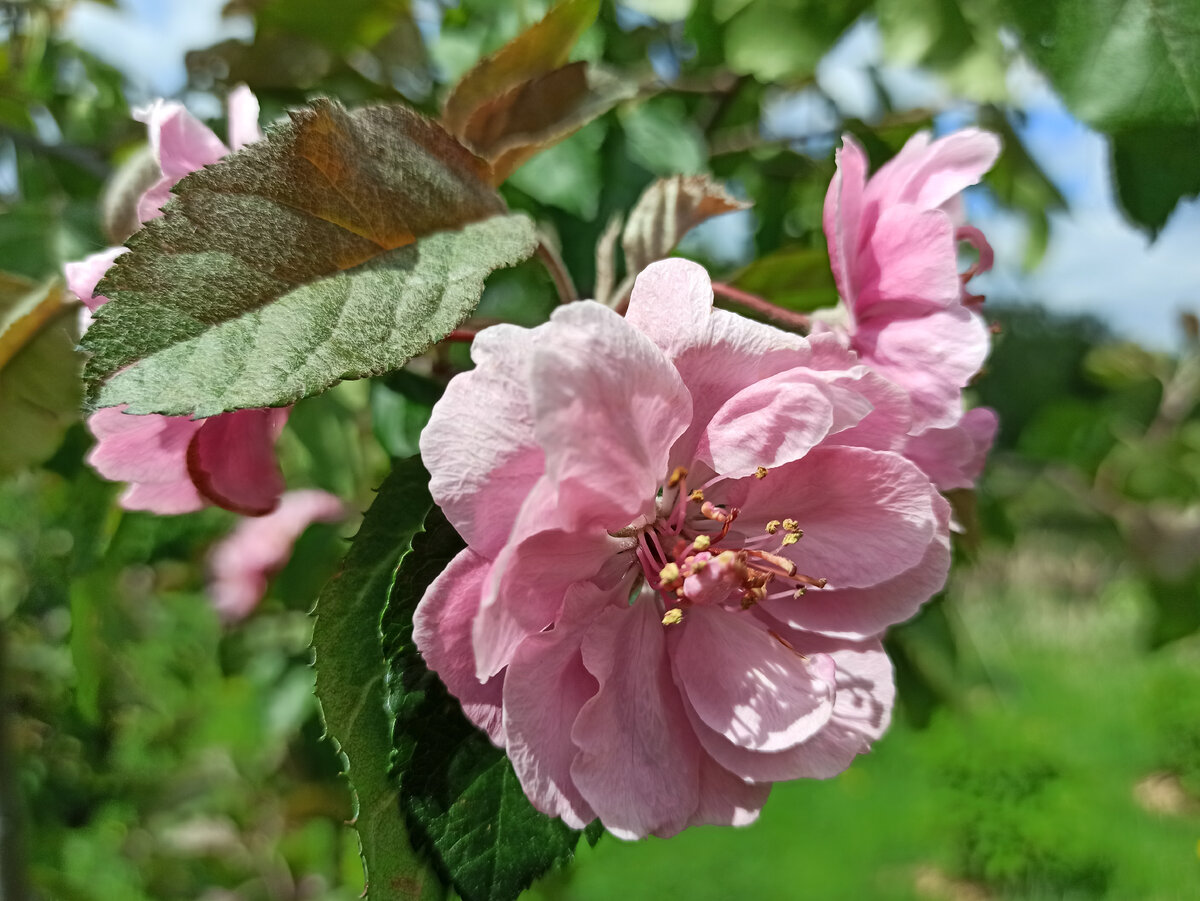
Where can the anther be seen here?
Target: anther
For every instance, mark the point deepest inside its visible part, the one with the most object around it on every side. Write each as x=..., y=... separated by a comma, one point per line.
x=790, y=525
x=701, y=543
x=773, y=526
x=669, y=575
x=673, y=616
x=791, y=538
x=696, y=497
x=760, y=473
x=679, y=474
x=799, y=593
x=809, y=580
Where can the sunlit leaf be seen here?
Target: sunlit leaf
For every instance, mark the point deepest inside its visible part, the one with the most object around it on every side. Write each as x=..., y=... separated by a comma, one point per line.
x=669, y=209
x=796, y=278
x=319, y=254
x=350, y=682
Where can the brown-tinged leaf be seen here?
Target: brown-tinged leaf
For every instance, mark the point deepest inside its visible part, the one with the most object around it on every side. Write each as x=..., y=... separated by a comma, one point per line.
x=511, y=127
x=535, y=52
x=24, y=309
x=669, y=209
x=339, y=247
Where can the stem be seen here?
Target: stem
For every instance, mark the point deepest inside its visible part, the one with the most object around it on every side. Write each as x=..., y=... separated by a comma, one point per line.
x=558, y=272
x=765, y=307
x=462, y=334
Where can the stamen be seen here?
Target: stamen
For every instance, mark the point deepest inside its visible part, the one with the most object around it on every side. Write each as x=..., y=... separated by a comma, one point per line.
x=669, y=575
x=696, y=497
x=773, y=526
x=760, y=472
x=791, y=538
x=786, y=567
x=708, y=511
x=701, y=543
x=677, y=476
x=672, y=616
x=790, y=525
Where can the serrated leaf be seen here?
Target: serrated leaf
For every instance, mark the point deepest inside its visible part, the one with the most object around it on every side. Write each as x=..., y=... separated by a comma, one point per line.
x=316, y=255
x=535, y=52
x=40, y=391
x=460, y=793
x=668, y=210
x=350, y=682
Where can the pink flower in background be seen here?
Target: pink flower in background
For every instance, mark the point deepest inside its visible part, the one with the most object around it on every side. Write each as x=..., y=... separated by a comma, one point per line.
x=685, y=530
x=244, y=562
x=893, y=244
x=174, y=464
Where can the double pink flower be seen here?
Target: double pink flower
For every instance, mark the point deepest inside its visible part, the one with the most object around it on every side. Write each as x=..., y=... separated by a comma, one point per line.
x=175, y=464
x=685, y=530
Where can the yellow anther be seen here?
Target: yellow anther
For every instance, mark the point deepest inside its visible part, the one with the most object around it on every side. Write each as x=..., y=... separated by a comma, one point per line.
x=702, y=542
x=760, y=473
x=677, y=476
x=791, y=538
x=672, y=616
x=696, y=497
x=773, y=526
x=697, y=565
x=800, y=592
x=668, y=574
x=726, y=558
x=790, y=525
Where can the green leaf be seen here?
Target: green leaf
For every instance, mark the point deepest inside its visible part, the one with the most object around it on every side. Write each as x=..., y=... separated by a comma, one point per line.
x=782, y=40
x=39, y=371
x=796, y=278
x=463, y=800
x=666, y=211
x=350, y=682
x=316, y=255
x=1130, y=68
x=401, y=405
x=664, y=138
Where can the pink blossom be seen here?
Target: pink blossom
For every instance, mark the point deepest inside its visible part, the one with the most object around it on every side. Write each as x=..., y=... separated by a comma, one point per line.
x=954, y=457
x=893, y=244
x=685, y=531
x=174, y=464
x=244, y=562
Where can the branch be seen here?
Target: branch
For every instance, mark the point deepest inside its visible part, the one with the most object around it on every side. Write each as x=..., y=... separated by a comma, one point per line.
x=765, y=307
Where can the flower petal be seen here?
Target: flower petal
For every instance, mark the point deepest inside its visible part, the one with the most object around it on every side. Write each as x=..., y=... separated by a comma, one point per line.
x=911, y=258
x=243, y=118
x=842, y=215
x=725, y=799
x=479, y=443
x=545, y=687
x=638, y=764
x=607, y=407
x=442, y=633
x=858, y=613
x=83, y=276
x=954, y=457
x=149, y=452
x=744, y=684
x=232, y=460
x=243, y=563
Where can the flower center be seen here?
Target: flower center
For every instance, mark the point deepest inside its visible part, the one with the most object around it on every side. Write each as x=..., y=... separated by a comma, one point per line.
x=689, y=555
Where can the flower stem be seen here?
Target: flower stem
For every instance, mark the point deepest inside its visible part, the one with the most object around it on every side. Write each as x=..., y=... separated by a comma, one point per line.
x=765, y=307
x=558, y=272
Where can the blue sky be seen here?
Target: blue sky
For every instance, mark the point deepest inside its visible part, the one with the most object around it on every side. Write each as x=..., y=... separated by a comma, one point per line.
x=1095, y=261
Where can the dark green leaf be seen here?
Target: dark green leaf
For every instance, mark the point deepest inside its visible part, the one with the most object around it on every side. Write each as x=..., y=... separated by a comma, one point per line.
x=1154, y=168
x=316, y=255
x=460, y=792
x=350, y=681
x=782, y=40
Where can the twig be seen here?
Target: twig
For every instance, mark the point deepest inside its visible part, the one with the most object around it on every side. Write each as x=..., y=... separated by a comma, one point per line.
x=558, y=272
x=765, y=307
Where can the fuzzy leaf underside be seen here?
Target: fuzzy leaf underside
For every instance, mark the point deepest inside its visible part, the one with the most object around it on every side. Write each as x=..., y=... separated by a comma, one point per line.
x=337, y=248
x=461, y=796
x=350, y=682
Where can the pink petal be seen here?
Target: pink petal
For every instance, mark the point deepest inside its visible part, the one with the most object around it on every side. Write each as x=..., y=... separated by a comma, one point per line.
x=954, y=457
x=83, y=276
x=858, y=613
x=180, y=142
x=862, y=706
x=726, y=800
x=538, y=721
x=638, y=764
x=867, y=515
x=244, y=562
x=479, y=444
x=442, y=633
x=243, y=118
x=531, y=576
x=232, y=460
x=842, y=216
x=928, y=174
x=932, y=357
x=747, y=686
x=151, y=453
x=911, y=258
x=607, y=407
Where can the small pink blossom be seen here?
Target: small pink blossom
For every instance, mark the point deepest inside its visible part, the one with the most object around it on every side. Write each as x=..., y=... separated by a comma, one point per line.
x=685, y=532
x=893, y=245
x=174, y=464
x=244, y=562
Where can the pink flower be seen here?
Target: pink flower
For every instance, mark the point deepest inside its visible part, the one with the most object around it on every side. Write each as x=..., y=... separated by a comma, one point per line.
x=637, y=618
x=174, y=464
x=244, y=562
x=893, y=244
x=954, y=457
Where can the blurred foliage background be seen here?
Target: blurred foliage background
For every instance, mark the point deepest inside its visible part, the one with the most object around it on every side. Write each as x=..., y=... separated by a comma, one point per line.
x=1048, y=740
